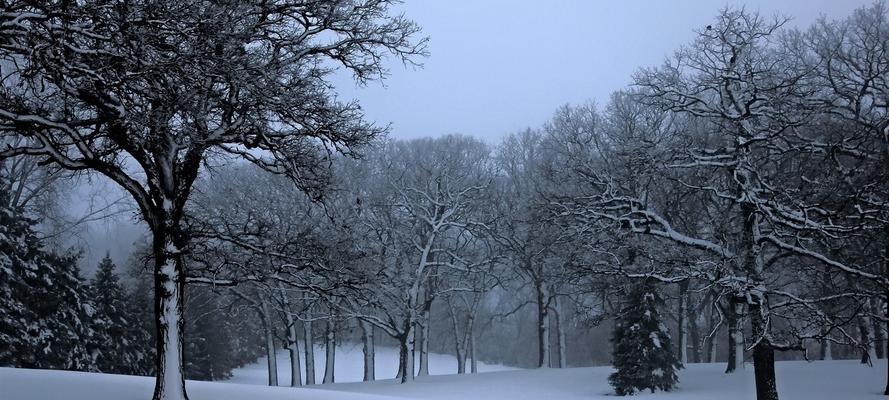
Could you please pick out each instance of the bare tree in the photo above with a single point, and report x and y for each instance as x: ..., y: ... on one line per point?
x: 144, y: 93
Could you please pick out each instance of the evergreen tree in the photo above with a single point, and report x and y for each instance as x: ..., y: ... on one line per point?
x: 643, y: 353
x: 118, y: 339
x: 18, y: 253
x: 42, y: 313
x: 140, y: 309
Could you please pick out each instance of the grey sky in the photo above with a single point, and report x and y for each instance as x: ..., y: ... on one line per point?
x: 497, y: 66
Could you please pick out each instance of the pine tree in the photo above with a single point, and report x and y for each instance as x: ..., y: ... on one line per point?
x: 118, y: 340
x: 140, y: 309
x: 42, y: 313
x: 643, y: 353
x: 18, y: 251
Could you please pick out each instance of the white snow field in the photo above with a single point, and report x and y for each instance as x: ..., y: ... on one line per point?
x: 349, y: 365
x: 820, y: 380
x: 37, y: 384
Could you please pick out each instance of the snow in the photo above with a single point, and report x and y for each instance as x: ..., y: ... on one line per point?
x: 822, y: 380
x: 35, y: 384
x: 797, y: 380
x: 349, y: 365
x: 655, y: 340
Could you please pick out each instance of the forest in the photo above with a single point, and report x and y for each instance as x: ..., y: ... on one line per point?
x: 729, y: 206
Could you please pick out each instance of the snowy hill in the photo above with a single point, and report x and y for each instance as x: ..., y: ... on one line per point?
x: 349, y: 365
x: 822, y: 380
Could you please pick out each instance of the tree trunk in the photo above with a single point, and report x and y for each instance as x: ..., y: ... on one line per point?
x: 409, y: 370
x: 542, y: 325
x: 473, y: 363
x: 712, y: 342
x: 763, y: 358
x: 330, y: 350
x: 424, y: 348
x: 269, y: 343
x: 169, y: 302
x: 826, y: 350
x: 367, y: 340
x: 683, y: 322
x: 694, y: 330
x: 886, y: 392
x: 712, y: 351
x: 460, y: 341
x: 309, y: 349
x: 735, y: 335
x: 293, y: 349
x: 750, y: 263
x: 405, y: 356
x: 402, y: 358
x: 560, y: 333
x: 868, y: 349
x: 879, y: 334
x: 292, y: 341
x: 461, y: 360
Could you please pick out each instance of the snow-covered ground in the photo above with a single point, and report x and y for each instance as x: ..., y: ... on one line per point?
x: 820, y: 380
x: 35, y: 384
x: 830, y: 380
x: 349, y: 366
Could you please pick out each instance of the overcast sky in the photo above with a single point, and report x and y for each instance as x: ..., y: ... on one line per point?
x: 498, y: 66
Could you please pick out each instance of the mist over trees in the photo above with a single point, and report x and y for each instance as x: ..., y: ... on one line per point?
x: 731, y: 205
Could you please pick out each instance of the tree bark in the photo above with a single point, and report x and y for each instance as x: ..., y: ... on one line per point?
x: 169, y: 301
x: 309, y: 349
x: 292, y: 342
x: 542, y: 325
x: 763, y: 358
x: 460, y: 341
x: 751, y: 264
x: 473, y: 364
x: 694, y: 331
x: 683, y: 322
x: 735, y: 336
x: 367, y: 340
x: 886, y: 392
x: 402, y: 358
x: 560, y: 333
x: 879, y: 333
x: 826, y: 350
x: 269, y: 343
x: 424, y: 348
x: 868, y: 349
x: 330, y: 351
x: 293, y: 349
x: 712, y: 342
x: 405, y: 356
x: 409, y: 370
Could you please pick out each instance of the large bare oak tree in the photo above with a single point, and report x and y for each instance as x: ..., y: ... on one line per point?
x: 145, y: 92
